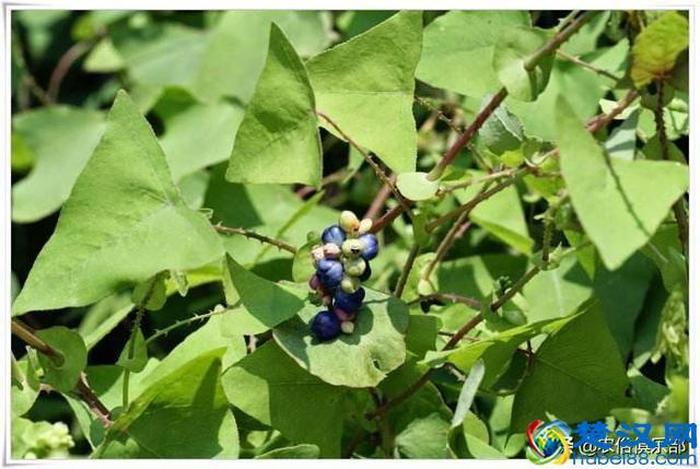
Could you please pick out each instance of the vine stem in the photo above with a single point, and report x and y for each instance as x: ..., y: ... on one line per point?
x: 184, y: 322
x: 82, y: 388
x: 380, y: 199
x: 229, y: 230
x: 64, y: 64
x: 469, y: 206
x: 452, y: 297
x: 589, y: 66
x: 466, y: 328
x: 678, y: 207
x: 368, y: 158
x: 406, y: 271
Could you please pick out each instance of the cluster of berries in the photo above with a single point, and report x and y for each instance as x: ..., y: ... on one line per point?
x: 342, y: 264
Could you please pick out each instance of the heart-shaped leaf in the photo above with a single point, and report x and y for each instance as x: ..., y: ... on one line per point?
x: 124, y: 205
x: 63, y: 372
x: 278, y: 141
x: 360, y: 359
x: 365, y: 85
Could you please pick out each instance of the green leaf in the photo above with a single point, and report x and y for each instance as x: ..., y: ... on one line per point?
x: 302, y: 451
x: 633, y: 211
x: 510, y: 57
x: 458, y: 49
x: 266, y: 208
x: 134, y: 361
x: 466, y: 395
x: 496, y: 350
x: 366, y: 85
x: 656, y: 48
x: 577, y: 374
x: 302, y: 266
x: 61, y: 139
x: 24, y: 389
x: 424, y: 438
x: 267, y: 302
x: 235, y: 51
x: 360, y: 359
x: 416, y: 186
x: 158, y: 53
x: 502, y: 131
x: 621, y: 294
x: 189, y: 403
x: 63, y: 372
x: 123, y: 205
x: 211, y: 337
x: 103, y: 58
x: 278, y: 140
x: 270, y: 387
x: 501, y: 214
x: 557, y: 292
x: 539, y: 117
x: 585, y: 40
x: 198, y: 135
x: 622, y: 142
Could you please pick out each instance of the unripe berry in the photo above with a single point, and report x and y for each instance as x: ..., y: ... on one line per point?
x: 325, y: 326
x: 348, y: 327
x: 352, y: 247
x: 349, y: 222
x: 355, y: 267
x: 349, y: 302
x: 344, y: 315
x: 365, y: 226
x: 333, y: 234
x: 349, y: 284
x: 330, y: 272
x: 369, y: 246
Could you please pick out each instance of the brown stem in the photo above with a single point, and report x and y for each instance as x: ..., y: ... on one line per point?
x: 446, y: 244
x: 678, y: 207
x: 229, y: 230
x: 469, y: 206
x: 406, y: 271
x: 589, y: 66
x: 368, y: 158
x: 459, y: 335
x: 380, y: 199
x: 386, y: 219
x: 598, y: 122
x: 468, y: 134
x: 82, y: 389
x: 452, y: 297
x: 557, y: 40
x: 64, y: 64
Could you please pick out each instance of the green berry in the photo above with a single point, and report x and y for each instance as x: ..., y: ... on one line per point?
x: 355, y: 267
x: 350, y: 284
x: 352, y: 248
x: 348, y: 327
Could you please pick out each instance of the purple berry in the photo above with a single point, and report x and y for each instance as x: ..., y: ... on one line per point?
x: 325, y: 326
x: 314, y: 282
x: 329, y: 272
x: 333, y: 234
x: 366, y: 274
x: 344, y: 315
x: 370, y: 247
x: 349, y: 302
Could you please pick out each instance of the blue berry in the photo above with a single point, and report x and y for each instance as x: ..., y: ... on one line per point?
x: 333, y: 234
x: 329, y: 272
x: 366, y: 274
x: 325, y: 326
x: 349, y: 302
x: 370, y: 247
